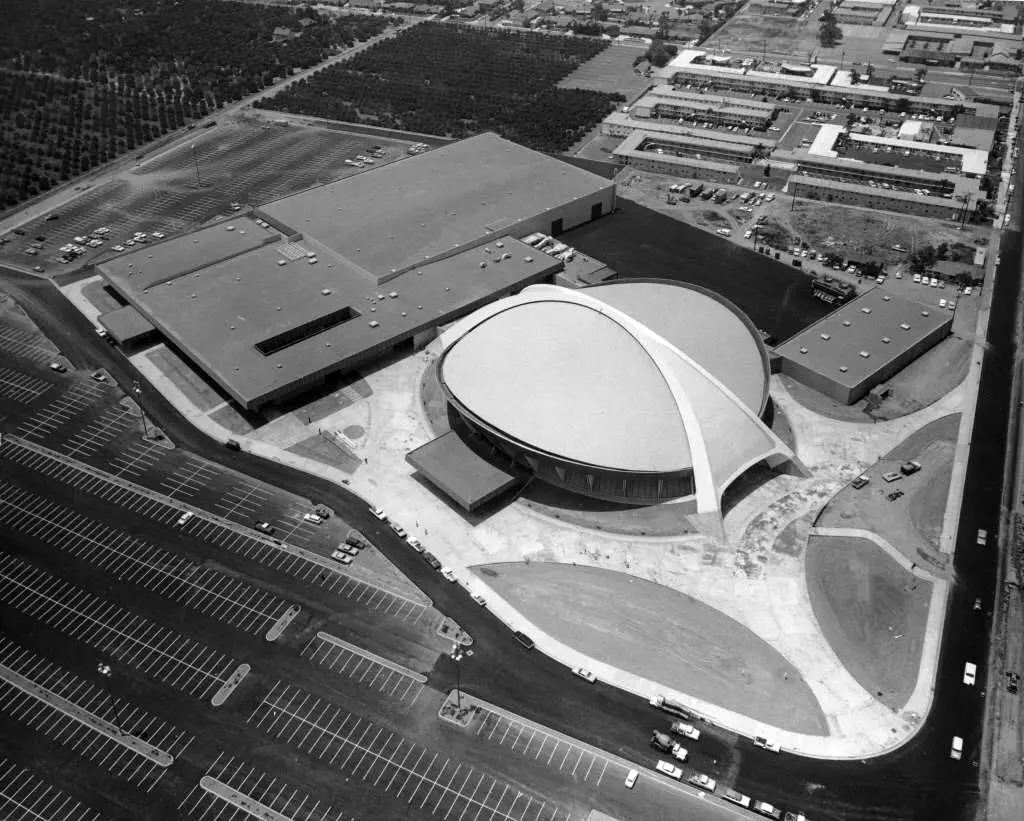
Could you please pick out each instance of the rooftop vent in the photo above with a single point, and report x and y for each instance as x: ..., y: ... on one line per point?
x: 803, y: 350
x: 500, y: 244
x: 865, y: 310
x: 865, y: 354
x: 326, y: 292
x: 843, y: 369
x: 826, y: 337
x: 846, y: 323
x: 393, y: 294
x: 374, y: 323
x: 904, y: 326
x: 886, y: 340
x: 925, y: 313
x: 886, y: 298
x: 281, y: 262
x: 527, y: 259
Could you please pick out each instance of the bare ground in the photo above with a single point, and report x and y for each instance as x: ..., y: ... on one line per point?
x: 663, y: 635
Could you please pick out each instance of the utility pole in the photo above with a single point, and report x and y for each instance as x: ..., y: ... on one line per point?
x: 104, y: 670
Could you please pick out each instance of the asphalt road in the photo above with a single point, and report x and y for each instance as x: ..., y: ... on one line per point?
x: 918, y: 781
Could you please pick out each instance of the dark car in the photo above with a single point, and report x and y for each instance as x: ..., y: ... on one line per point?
x: 20, y: 232
x: 431, y: 559
x: 52, y: 217
x: 41, y: 238
x: 231, y: 444
x: 524, y: 640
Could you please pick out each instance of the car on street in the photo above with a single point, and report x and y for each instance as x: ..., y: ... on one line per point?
x: 766, y: 744
x: 736, y: 798
x: 982, y: 538
x: 524, y: 640
x: 341, y: 556
x: 99, y: 376
x: 184, y: 517
x: 398, y: 529
x: 977, y: 605
x: 431, y: 559
x: 910, y: 468
x: 892, y: 476
x: 631, y: 778
x: 748, y: 234
x: 118, y: 247
x: 956, y: 748
x: 159, y: 235
x: 379, y: 513
x: 685, y: 730
x: 314, y: 518
x: 478, y: 599
x: 351, y: 550
x: 725, y: 232
x: 669, y: 769
x: 703, y: 782
x: 264, y: 527
x: 414, y: 543
x: 448, y: 573
x: 584, y: 674
x: 860, y: 482
x: 970, y: 674
x: 765, y: 808
x: 58, y: 367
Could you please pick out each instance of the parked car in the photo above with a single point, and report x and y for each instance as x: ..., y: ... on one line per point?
x: 956, y: 748
x: 765, y: 808
x: 669, y: 769
x: 584, y: 674
x: 860, y: 482
x: 478, y: 599
x: 524, y: 640
x: 431, y: 559
x: 892, y: 476
x: 766, y: 744
x: 314, y: 518
x: 970, y: 674
x: 264, y: 527
x: 982, y: 538
x: 736, y: 798
x: 341, y: 556
x: 703, y: 782
x: 910, y: 468
x: 379, y: 513
x: 631, y: 778
x: 58, y: 367
x: 448, y: 573
x: 185, y: 517
x: 414, y: 543
x: 399, y: 530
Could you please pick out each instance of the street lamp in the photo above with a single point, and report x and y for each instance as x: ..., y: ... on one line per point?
x: 105, y: 671
x: 457, y: 655
x: 137, y: 390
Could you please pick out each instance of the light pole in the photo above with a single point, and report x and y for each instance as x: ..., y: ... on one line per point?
x: 457, y: 655
x: 195, y: 162
x: 137, y: 390
x: 104, y: 670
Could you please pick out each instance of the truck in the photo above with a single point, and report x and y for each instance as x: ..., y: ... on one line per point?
x: 720, y: 195
x: 685, y: 730
x: 697, y: 190
x: 662, y: 742
x: 671, y: 707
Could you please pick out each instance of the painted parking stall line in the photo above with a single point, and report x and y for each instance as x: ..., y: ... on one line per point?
x: 139, y: 458
x: 110, y: 424
x: 26, y: 797
x: 428, y: 780
x: 583, y: 763
x: 217, y: 595
x: 233, y: 790
x: 24, y: 344
x: 188, y: 479
x: 127, y: 741
x: 364, y: 667
x: 20, y: 387
x: 163, y: 654
x: 55, y: 415
x: 299, y: 563
x: 243, y: 501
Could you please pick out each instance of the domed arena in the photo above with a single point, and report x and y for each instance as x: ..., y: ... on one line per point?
x: 634, y: 391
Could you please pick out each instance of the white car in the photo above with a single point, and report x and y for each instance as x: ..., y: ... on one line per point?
x: 685, y: 730
x: 967, y: 291
x: 159, y: 235
x: 956, y: 749
x: 736, y: 798
x: 414, y: 543
x: 766, y: 744
x: 398, y: 530
x: 970, y: 674
x: 982, y: 538
x: 129, y: 242
x: 118, y: 247
x: 184, y: 517
x: 917, y: 277
x: 725, y: 232
x: 379, y: 513
x: 703, y: 782
x: 631, y: 778
x: 584, y: 674
x: 314, y: 518
x: 448, y: 573
x: 341, y: 556
x: 934, y: 282
x: 669, y: 769
x: 479, y: 599
x: 748, y: 234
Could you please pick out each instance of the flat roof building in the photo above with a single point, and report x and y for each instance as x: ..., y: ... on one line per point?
x: 271, y: 303
x: 862, y: 344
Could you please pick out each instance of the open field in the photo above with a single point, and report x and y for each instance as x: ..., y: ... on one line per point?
x: 660, y: 634
x: 911, y: 523
x: 610, y: 71
x: 871, y: 611
x: 242, y: 161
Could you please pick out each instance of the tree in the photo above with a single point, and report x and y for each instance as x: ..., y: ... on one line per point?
x: 829, y: 33
x: 901, y: 105
x: 599, y: 12
x: 707, y: 28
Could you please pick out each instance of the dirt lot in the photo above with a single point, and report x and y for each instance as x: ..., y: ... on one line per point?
x: 660, y: 634
x: 871, y: 611
x: 913, y: 522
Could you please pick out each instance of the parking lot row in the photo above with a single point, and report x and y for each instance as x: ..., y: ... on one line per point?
x: 304, y: 565
x: 134, y: 561
x: 26, y: 797
x: 410, y: 772
x: 20, y: 387
x: 119, y: 737
x: 25, y: 344
x: 232, y: 790
x: 77, y: 398
x: 127, y: 638
x: 364, y: 667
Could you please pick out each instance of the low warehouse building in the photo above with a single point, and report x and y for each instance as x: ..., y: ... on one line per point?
x: 845, y: 354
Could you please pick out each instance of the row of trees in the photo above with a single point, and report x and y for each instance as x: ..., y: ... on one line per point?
x: 455, y: 81
x: 82, y: 82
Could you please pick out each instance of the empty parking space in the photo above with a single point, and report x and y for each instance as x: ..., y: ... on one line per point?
x: 242, y: 501
x: 26, y: 797
x: 56, y: 414
x: 20, y: 386
x: 292, y: 561
x: 104, y: 429
x: 137, y: 459
x: 130, y: 639
x: 364, y: 667
x: 25, y: 344
x: 233, y: 790
x: 410, y: 772
x: 124, y: 557
x: 582, y: 763
x: 188, y: 479
x: 115, y: 735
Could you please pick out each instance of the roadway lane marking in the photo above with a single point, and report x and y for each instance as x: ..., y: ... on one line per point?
x: 353, y: 661
x: 131, y: 743
x: 214, y: 594
x: 180, y: 662
x: 231, y: 786
x: 20, y: 386
x: 325, y: 732
x: 25, y: 797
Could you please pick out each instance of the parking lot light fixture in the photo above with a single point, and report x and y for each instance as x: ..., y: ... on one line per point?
x: 457, y: 655
x: 105, y: 672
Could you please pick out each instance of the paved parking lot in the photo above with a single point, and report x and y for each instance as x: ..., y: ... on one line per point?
x: 583, y: 763
x: 233, y: 790
x: 20, y: 386
x: 364, y: 667
x: 423, y: 778
x: 25, y: 344
x: 219, y: 596
x: 72, y: 402
x: 87, y: 741
x: 162, y: 654
x: 138, y: 458
x: 211, y: 529
x: 25, y: 797
x: 110, y: 424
